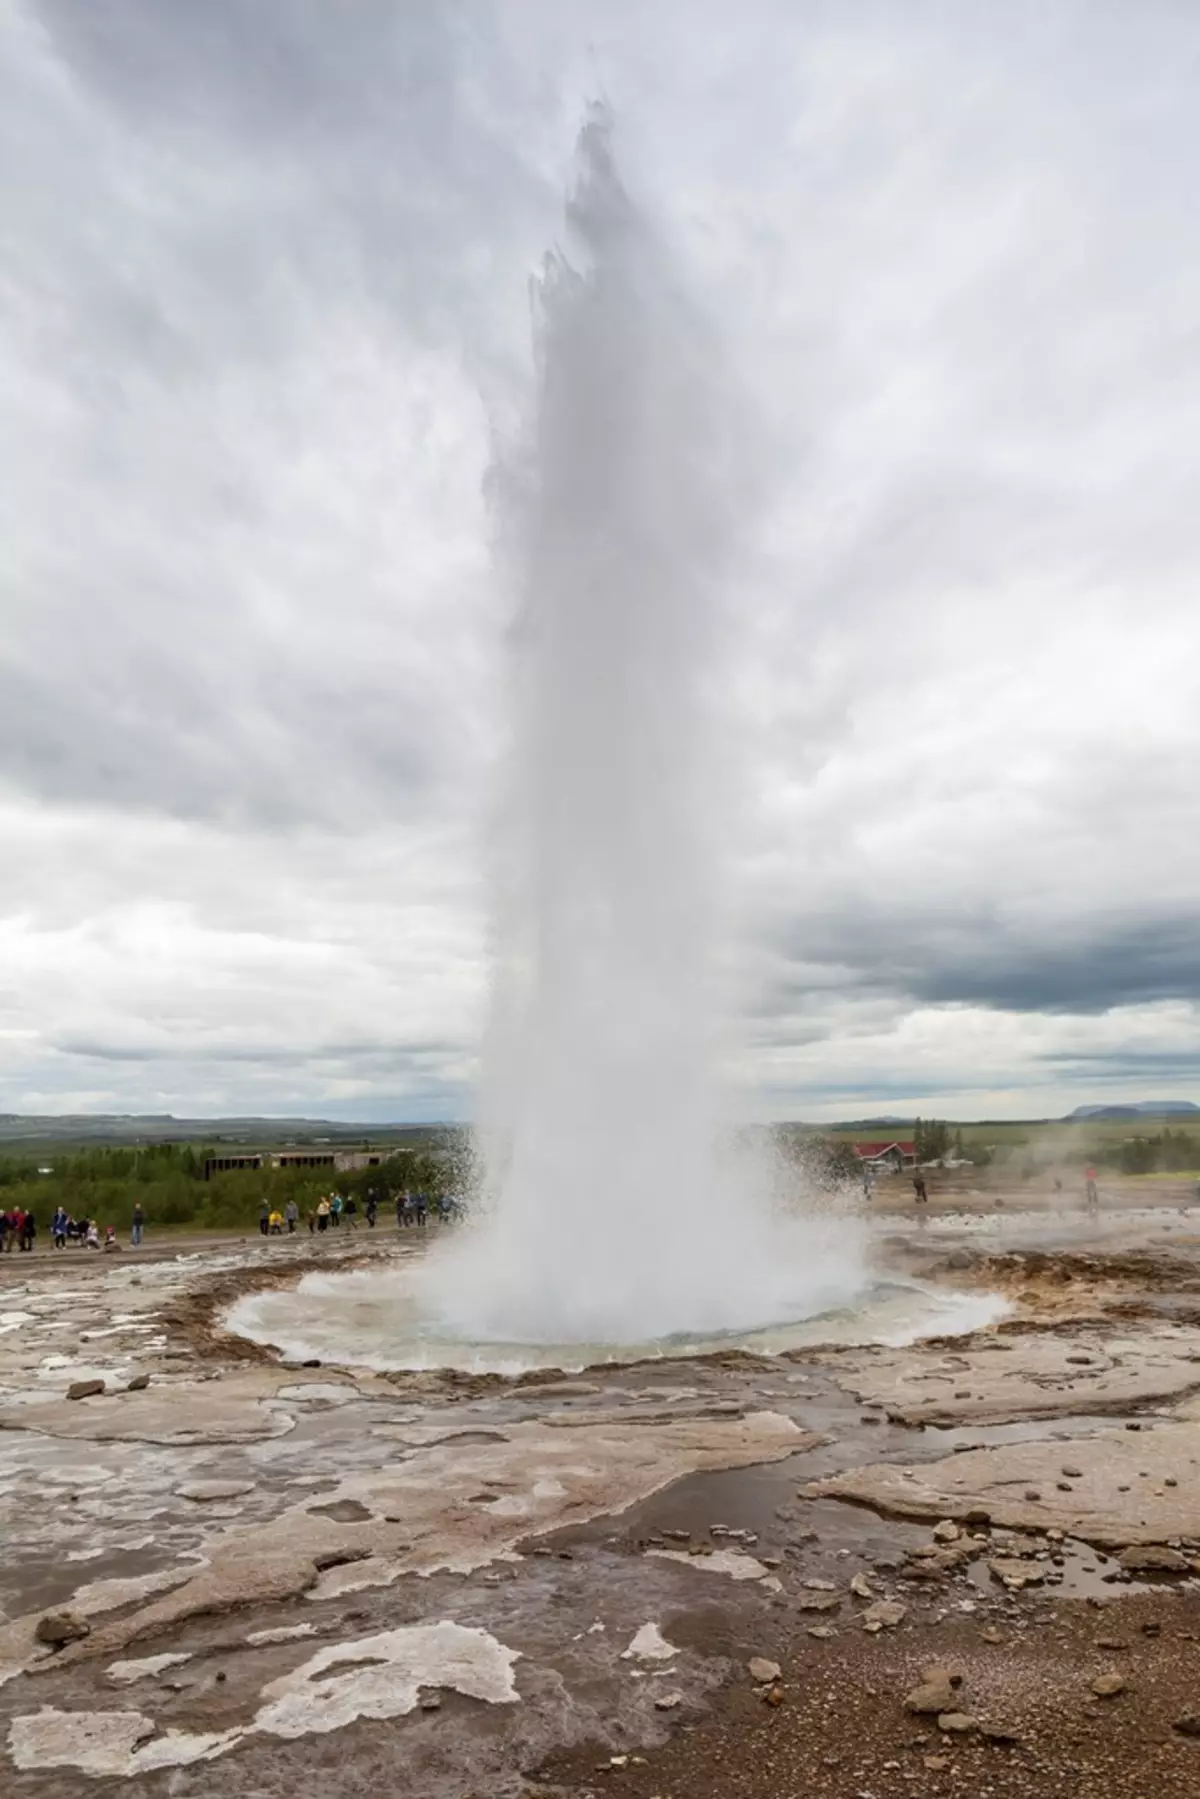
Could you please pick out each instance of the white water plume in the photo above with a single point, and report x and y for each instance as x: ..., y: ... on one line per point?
x: 610, y: 1210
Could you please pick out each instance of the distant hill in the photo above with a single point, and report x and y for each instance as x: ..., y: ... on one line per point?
x: 161, y: 1127
x: 1146, y: 1108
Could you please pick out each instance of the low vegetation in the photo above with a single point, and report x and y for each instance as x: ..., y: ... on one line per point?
x: 167, y: 1180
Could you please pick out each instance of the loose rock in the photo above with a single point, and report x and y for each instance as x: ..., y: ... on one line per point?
x: 84, y: 1389
x: 763, y: 1671
x: 956, y: 1723
x: 57, y: 1628
x: 1107, y: 1686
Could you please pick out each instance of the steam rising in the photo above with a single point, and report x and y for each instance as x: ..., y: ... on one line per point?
x: 610, y: 1210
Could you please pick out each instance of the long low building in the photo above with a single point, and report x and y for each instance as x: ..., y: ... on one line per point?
x: 342, y: 1160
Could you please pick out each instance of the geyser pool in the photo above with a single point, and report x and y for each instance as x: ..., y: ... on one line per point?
x: 376, y: 1320
x: 609, y: 1208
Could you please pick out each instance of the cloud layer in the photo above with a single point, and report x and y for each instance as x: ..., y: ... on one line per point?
x: 263, y: 291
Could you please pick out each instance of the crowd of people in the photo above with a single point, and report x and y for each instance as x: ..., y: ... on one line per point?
x: 18, y: 1227
x: 334, y: 1209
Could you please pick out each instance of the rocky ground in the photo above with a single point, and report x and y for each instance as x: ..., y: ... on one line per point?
x: 965, y: 1567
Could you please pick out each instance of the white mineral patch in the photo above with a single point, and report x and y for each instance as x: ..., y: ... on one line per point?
x: 107, y: 1595
x: 124, y: 1673
x: 733, y: 1562
x: 649, y: 1645
x: 282, y: 1633
x: 353, y: 1577
x: 396, y: 1664
x: 93, y: 1742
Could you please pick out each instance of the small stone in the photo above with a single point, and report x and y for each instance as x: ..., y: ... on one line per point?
x: 861, y: 1587
x: 999, y: 1733
x: 762, y: 1671
x: 1111, y: 1643
x: 772, y: 1695
x: 1188, y: 1725
x: 1107, y: 1686
x: 885, y: 1614
x: 935, y: 1763
x: 1133, y: 1425
x: 667, y: 1702
x: 431, y: 1702
x: 978, y: 1516
x: 818, y: 1602
x: 1073, y: 1473
x: 933, y: 1697
x: 956, y: 1723
x: 618, y: 1761
x: 946, y: 1531
x: 822, y: 1632
x: 1031, y: 1493
x: 819, y: 1586
x: 992, y: 1635
x: 57, y: 1628
x: 138, y: 1384
x: 84, y: 1389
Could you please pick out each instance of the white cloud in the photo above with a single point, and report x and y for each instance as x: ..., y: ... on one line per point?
x: 263, y: 304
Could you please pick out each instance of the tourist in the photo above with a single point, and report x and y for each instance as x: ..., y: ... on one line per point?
x: 58, y: 1226
x: 91, y: 1236
x: 323, y: 1213
x: 264, y: 1216
x: 28, y: 1230
x: 422, y: 1212
x: 110, y: 1237
x: 372, y: 1207
x: 276, y: 1224
x: 922, y: 1191
x: 12, y: 1223
x: 335, y: 1208
x: 138, y: 1226
x: 1091, y: 1190
x: 292, y: 1213
x: 350, y: 1208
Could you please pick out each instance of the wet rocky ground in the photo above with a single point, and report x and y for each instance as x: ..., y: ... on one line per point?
x: 963, y: 1567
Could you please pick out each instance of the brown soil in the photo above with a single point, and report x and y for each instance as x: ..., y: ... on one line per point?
x: 840, y: 1729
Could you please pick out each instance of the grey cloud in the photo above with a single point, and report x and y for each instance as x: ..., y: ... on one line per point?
x: 1084, y: 964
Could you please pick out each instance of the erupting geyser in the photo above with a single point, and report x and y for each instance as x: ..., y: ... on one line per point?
x: 613, y: 1214
x: 609, y: 1210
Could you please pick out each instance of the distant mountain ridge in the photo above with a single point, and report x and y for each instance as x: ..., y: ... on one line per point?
x: 1144, y: 1108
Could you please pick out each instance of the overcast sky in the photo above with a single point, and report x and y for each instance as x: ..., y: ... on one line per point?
x: 263, y: 312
